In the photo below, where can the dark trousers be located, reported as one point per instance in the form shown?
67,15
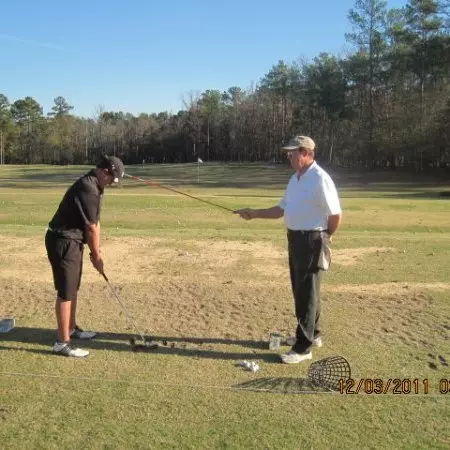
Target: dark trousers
304,250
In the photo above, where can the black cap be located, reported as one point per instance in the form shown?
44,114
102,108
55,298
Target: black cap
114,165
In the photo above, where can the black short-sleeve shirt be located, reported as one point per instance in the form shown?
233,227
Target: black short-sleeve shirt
79,207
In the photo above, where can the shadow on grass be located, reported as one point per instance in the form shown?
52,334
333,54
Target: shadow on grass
444,195
282,385
170,345
389,194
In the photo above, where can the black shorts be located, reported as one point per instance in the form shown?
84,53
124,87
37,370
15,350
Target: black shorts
66,259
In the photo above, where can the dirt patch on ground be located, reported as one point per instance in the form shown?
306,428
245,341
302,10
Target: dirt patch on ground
144,258
352,256
399,316
206,288
387,289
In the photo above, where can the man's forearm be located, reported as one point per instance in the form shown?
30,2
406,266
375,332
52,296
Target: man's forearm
93,239
269,213
333,223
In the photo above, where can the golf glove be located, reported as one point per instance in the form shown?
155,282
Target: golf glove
325,252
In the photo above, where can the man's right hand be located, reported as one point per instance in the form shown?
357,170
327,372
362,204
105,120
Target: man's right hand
97,262
246,213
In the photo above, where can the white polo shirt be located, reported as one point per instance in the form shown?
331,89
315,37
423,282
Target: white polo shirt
309,200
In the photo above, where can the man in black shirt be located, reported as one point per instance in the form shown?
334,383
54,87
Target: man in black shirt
75,223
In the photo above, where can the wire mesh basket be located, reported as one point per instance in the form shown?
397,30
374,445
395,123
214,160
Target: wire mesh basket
328,372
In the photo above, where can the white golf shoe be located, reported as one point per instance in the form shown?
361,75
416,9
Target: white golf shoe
294,357
64,349
78,333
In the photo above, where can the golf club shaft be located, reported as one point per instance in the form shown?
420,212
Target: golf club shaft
122,305
169,188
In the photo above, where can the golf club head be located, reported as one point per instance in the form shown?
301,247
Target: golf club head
148,344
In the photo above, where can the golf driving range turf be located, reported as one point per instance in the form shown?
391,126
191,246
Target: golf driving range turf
211,288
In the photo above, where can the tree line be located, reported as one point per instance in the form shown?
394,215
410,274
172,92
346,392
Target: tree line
384,104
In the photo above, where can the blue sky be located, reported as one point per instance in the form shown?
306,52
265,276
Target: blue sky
145,55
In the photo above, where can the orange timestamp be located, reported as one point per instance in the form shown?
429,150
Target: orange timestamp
399,386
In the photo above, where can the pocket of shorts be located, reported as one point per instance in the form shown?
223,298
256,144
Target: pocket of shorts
62,247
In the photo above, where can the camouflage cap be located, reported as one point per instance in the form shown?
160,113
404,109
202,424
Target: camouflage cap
299,142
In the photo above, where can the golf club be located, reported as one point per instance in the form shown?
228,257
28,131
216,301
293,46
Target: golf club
169,188
135,347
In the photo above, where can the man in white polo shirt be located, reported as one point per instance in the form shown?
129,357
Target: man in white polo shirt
312,214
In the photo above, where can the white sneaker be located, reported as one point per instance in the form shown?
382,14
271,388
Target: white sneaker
317,342
63,348
295,358
78,333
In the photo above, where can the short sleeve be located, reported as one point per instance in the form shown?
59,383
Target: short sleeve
330,197
88,203
282,202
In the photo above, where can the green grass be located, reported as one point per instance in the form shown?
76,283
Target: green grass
189,272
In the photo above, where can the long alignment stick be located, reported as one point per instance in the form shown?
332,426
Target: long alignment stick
169,188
